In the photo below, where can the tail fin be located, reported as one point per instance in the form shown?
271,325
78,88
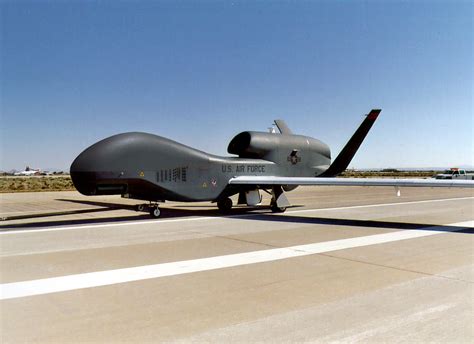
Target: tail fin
283,127
345,156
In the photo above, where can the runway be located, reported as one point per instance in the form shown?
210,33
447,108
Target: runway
345,264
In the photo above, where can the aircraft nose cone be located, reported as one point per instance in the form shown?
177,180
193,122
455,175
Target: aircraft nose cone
84,173
97,164
102,168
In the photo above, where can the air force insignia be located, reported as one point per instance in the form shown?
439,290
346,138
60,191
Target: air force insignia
293,158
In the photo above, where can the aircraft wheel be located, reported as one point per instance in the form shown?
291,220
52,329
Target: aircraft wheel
277,209
224,205
155,212
140,207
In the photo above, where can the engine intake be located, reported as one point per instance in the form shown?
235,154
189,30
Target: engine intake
250,144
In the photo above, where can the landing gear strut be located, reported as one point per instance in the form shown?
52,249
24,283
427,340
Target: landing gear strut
224,205
279,201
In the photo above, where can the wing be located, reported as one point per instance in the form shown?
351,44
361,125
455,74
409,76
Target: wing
271,180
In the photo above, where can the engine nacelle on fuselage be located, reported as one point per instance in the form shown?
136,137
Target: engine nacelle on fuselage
283,150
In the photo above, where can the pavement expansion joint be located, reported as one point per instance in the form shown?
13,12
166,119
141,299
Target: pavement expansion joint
396,268
243,240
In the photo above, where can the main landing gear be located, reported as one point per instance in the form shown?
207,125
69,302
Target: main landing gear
153,209
273,203
279,202
224,205
276,209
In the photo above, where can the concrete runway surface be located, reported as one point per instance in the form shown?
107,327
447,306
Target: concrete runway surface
345,264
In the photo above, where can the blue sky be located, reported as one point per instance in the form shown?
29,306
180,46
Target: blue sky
75,72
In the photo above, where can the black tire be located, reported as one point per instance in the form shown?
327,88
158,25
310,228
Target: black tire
224,205
155,212
277,209
140,207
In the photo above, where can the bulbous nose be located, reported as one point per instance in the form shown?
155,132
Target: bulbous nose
98,165
84,173
115,165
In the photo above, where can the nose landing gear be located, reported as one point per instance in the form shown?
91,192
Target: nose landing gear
155,212
140,207
153,209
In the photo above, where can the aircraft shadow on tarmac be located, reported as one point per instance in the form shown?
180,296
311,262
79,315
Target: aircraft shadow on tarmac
168,213
260,213
98,204
103,207
360,223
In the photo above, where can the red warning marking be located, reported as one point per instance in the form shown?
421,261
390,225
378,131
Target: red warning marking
373,114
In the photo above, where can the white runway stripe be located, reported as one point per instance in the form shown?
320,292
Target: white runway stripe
103,278
213,218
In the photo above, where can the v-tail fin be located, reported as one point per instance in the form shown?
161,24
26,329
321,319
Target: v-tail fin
284,129
344,158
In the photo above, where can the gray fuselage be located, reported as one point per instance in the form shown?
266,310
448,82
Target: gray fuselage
150,167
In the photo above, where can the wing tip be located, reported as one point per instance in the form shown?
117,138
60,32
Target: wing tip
373,114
